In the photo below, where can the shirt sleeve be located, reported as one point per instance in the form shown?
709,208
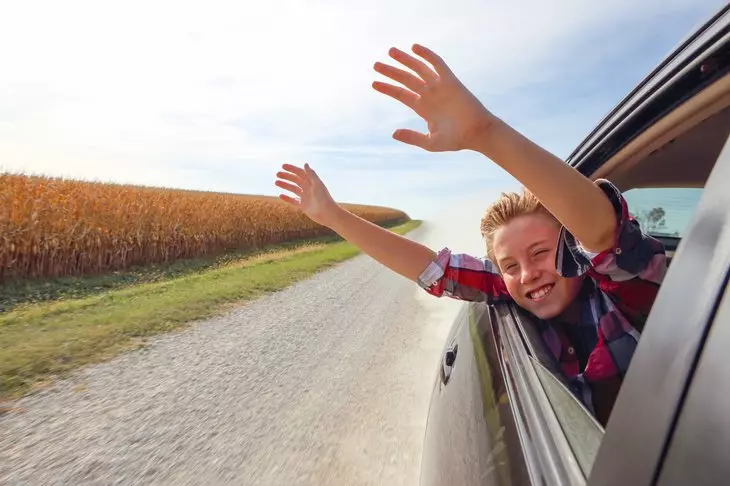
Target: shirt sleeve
463,277
631,271
633,254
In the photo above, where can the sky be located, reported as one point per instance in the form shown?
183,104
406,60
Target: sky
216,95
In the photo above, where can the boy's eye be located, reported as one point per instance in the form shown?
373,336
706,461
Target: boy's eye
538,252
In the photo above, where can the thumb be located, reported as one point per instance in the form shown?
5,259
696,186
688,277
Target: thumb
411,137
311,173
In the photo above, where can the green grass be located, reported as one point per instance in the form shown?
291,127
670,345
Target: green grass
42,341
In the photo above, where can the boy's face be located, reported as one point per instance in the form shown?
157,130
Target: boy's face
524,250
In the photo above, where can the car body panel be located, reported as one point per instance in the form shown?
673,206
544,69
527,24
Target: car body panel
471,436
697,453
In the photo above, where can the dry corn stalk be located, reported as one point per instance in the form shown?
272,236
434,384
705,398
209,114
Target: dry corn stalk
54,227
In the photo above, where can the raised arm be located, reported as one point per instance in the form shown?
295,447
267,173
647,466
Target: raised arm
457,120
459,276
404,256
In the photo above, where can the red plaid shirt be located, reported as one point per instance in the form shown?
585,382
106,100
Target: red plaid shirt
614,302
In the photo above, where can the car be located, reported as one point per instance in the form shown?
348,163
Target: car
500,411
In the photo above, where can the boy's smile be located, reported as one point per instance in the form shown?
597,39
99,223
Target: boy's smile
524,250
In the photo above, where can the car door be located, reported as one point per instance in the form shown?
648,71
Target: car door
699,442
499,412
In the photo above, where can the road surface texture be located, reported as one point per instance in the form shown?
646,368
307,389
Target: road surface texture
324,383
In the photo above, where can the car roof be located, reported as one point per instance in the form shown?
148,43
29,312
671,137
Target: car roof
676,78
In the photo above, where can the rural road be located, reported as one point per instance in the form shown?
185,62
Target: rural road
324,383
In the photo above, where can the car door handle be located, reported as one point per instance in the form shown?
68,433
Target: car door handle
447,363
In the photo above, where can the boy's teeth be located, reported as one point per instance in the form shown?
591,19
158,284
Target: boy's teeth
540,292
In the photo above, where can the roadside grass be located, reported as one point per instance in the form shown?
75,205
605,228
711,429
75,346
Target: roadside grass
44,341
15,294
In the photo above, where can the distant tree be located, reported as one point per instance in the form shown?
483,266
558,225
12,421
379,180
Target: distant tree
653,221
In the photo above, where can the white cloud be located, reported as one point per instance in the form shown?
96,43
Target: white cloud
217,94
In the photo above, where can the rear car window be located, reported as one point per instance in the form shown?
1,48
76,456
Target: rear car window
663,211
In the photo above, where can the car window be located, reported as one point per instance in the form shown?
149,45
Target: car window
664,211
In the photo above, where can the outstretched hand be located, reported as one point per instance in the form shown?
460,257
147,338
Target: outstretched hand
310,194
455,117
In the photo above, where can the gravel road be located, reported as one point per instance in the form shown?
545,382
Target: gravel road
326,382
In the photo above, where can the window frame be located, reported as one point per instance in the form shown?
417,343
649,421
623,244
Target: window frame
545,444
538,414
545,365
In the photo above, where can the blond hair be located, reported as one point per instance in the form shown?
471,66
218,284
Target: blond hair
509,206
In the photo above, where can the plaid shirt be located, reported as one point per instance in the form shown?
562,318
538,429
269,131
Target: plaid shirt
614,302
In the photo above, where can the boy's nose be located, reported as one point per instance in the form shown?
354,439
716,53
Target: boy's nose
529,274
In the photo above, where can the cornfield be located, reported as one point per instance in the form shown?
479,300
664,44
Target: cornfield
55,227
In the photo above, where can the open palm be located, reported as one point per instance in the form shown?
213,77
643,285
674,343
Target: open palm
308,192
454,116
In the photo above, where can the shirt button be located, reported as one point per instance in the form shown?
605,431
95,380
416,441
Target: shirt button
571,350
618,251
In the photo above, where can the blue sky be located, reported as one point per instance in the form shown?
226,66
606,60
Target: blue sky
216,95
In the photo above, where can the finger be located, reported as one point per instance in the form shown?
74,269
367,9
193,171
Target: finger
412,137
403,77
296,170
291,177
434,59
418,66
289,200
406,97
290,187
